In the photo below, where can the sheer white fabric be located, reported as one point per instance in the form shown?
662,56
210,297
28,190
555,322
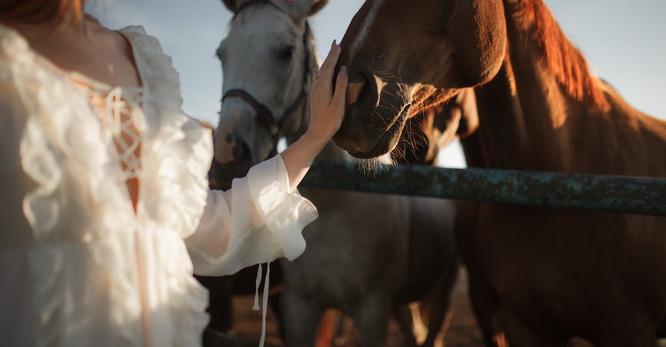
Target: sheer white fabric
80,267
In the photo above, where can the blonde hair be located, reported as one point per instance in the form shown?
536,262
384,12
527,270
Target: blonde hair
42,11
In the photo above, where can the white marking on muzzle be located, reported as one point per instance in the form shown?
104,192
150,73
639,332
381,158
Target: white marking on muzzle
368,21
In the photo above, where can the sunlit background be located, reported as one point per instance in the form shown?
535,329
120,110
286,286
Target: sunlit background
624,41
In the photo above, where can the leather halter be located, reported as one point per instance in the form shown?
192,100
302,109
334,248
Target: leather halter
265,118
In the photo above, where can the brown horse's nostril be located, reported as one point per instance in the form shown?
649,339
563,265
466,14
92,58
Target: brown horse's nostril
354,90
362,88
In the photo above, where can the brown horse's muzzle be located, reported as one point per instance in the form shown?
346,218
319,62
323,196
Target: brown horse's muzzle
373,118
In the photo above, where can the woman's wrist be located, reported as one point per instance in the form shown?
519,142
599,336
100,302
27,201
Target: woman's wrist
315,141
299,156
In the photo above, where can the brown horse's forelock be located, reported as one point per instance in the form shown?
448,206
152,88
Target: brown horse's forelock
564,60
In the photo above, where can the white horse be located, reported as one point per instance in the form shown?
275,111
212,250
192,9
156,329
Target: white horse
368,255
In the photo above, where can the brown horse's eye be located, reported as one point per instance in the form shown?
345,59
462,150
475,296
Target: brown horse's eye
285,54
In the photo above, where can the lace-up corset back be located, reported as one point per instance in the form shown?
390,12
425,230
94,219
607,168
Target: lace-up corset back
120,113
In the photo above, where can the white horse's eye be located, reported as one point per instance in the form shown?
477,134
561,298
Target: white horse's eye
286,53
219,53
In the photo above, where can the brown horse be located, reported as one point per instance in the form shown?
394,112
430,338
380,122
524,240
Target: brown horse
539,276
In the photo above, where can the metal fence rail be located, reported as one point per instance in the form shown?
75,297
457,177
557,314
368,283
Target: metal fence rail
639,195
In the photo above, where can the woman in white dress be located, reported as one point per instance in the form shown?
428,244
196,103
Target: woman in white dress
104,204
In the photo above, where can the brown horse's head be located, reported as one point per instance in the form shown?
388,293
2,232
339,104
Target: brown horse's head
406,57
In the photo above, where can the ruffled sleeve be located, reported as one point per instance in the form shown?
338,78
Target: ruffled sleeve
258,220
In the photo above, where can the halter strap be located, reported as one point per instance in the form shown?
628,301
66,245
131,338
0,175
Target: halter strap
264,115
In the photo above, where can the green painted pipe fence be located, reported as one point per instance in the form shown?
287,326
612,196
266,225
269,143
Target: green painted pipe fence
621,194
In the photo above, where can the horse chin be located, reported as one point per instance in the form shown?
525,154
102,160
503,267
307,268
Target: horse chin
386,141
222,175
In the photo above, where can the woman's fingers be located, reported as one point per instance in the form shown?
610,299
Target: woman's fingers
328,67
331,58
341,87
326,107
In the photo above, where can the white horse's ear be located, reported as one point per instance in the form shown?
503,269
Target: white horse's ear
234,5
304,8
317,6
296,8
230,4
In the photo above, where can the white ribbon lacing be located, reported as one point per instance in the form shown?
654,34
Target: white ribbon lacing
124,129
117,109
264,301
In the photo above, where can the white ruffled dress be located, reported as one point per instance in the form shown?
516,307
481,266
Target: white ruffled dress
79,266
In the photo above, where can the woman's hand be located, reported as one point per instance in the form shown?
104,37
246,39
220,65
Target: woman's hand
327,109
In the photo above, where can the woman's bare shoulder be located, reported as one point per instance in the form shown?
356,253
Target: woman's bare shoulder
109,38
120,52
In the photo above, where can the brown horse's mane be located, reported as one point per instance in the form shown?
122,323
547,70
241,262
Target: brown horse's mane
565,61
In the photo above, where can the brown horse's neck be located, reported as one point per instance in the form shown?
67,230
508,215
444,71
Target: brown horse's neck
545,111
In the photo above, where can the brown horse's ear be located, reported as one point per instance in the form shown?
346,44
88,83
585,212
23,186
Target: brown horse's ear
230,4
317,6
478,29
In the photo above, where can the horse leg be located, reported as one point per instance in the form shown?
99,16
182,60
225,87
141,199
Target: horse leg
403,316
301,318
484,304
275,303
482,297
627,338
439,304
328,328
220,306
372,318
520,334
629,328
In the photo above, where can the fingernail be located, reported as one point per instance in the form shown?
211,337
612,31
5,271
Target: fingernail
343,69
334,42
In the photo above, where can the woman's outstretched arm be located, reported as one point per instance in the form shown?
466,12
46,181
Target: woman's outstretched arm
261,217
327,107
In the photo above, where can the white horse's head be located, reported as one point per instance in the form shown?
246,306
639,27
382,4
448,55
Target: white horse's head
266,60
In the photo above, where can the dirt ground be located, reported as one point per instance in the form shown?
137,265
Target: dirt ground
461,329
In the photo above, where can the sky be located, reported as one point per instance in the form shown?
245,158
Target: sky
624,42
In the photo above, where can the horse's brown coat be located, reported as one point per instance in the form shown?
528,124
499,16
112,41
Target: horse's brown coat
540,276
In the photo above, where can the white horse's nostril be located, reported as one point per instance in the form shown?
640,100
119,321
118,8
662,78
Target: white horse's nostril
223,143
354,90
